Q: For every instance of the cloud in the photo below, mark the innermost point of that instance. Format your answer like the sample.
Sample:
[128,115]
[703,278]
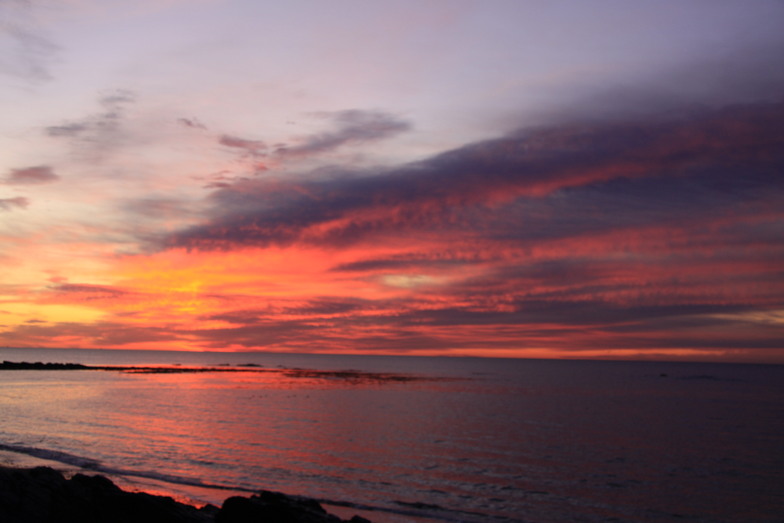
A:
[192,123]
[251,147]
[27,54]
[99,132]
[70,129]
[250,153]
[351,127]
[746,72]
[573,326]
[99,335]
[146,216]
[648,232]
[533,184]
[88,292]
[399,263]
[31,176]
[7,204]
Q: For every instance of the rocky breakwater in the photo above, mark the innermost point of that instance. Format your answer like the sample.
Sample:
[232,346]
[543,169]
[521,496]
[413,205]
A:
[43,495]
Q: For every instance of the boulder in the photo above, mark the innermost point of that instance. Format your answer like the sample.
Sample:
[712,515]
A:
[273,507]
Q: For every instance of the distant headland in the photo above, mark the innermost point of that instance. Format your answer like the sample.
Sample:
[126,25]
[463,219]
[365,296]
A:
[343,375]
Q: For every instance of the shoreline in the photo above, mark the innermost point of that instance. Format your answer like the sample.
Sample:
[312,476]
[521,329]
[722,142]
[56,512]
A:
[198,495]
[43,494]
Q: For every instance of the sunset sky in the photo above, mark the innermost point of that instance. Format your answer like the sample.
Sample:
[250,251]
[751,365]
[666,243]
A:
[576,179]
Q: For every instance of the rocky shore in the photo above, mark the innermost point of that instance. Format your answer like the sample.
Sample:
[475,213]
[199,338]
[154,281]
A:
[44,495]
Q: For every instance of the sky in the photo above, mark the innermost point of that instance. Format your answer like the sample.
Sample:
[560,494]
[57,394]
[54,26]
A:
[542,179]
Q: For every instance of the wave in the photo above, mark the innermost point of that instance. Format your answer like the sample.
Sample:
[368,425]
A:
[53,455]
[96,466]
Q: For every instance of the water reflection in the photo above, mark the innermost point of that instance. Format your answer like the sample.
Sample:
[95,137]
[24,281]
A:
[543,438]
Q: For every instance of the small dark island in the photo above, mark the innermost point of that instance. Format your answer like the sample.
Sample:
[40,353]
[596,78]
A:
[44,495]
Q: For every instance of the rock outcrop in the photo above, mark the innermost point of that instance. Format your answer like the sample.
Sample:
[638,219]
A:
[43,495]
[274,506]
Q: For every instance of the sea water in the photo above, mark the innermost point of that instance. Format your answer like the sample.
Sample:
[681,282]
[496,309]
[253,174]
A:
[430,439]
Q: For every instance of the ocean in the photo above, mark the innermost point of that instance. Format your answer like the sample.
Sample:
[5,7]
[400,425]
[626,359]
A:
[414,439]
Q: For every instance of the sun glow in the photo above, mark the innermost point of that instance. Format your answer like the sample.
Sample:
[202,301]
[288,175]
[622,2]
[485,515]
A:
[20,313]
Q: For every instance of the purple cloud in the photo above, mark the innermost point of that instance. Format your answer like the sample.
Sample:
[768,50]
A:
[351,127]
[568,180]
[251,147]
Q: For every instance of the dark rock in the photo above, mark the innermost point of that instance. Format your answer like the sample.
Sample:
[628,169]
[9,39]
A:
[273,507]
[43,495]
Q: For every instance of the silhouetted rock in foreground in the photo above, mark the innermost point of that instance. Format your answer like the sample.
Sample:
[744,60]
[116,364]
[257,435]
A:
[43,495]
[273,506]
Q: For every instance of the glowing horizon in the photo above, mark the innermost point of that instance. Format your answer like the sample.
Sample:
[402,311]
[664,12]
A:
[505,179]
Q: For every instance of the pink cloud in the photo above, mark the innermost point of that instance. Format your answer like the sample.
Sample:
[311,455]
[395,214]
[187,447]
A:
[6,204]
[37,175]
